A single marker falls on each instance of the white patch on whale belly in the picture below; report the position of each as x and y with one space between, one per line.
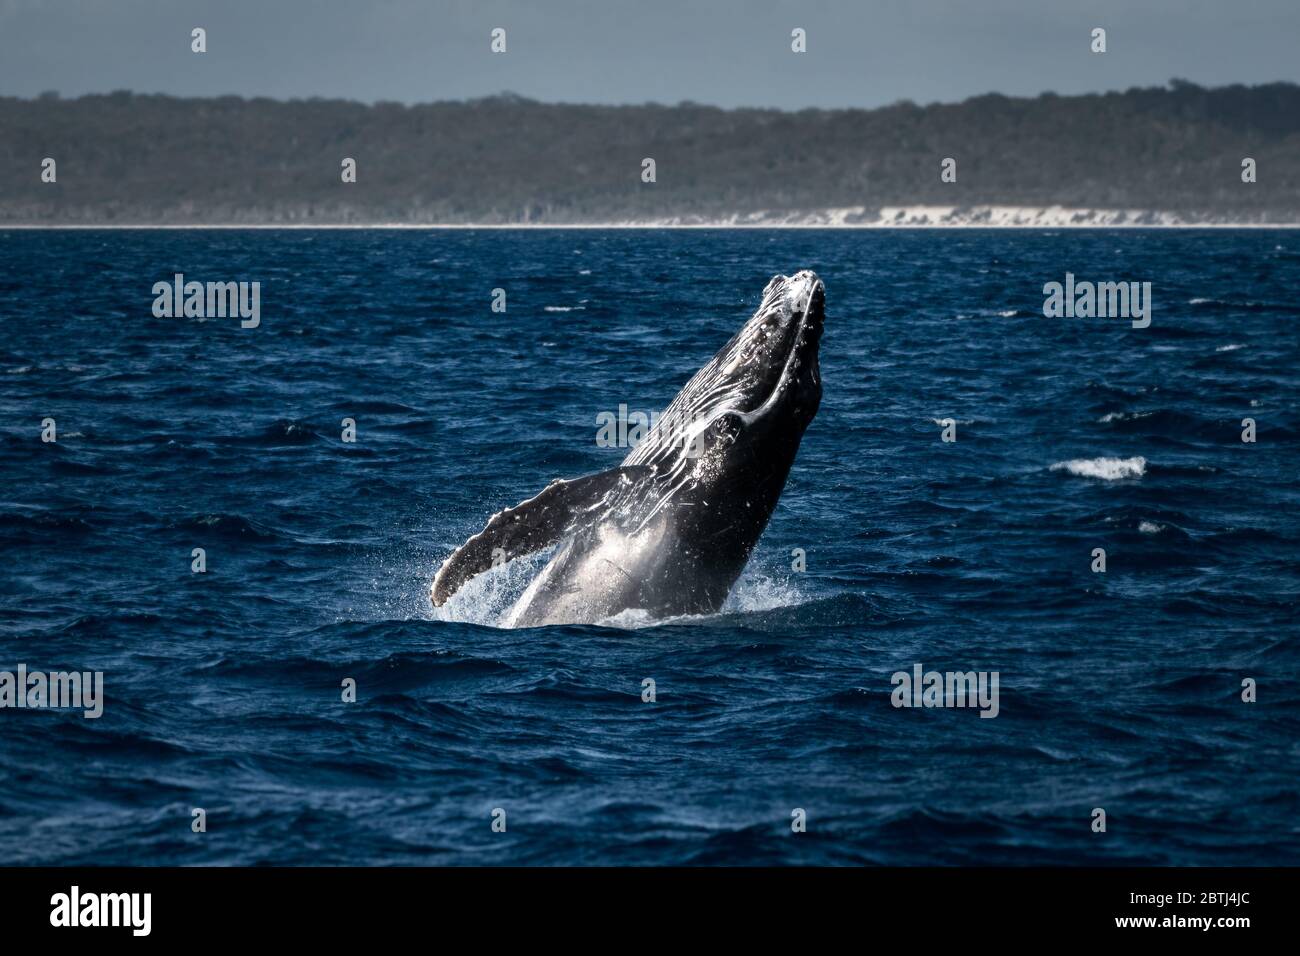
600 581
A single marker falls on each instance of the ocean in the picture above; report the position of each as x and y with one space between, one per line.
1120 690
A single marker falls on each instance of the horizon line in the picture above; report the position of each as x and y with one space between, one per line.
1170 85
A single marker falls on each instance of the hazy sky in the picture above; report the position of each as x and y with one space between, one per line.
725 52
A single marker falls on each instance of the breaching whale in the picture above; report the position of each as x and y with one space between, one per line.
669 531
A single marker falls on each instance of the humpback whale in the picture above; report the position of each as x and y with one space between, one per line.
669 531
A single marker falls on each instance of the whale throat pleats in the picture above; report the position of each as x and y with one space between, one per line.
530 526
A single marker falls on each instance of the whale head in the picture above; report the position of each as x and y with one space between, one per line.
764 383
771 364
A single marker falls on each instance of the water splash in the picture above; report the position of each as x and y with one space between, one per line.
758 591
488 598
754 593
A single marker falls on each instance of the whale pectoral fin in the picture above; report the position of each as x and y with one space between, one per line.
529 526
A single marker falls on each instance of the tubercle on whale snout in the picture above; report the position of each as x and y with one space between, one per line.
792 312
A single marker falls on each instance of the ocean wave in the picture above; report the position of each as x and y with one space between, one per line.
293 431
223 525
374 407
64 466
37 525
1107 469
1123 417
1170 423
1242 305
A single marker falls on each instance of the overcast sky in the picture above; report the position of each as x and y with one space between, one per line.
724 52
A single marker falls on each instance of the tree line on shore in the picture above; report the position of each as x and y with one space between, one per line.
126 158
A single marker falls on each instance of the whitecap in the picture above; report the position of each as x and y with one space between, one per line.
1123 417
1107 469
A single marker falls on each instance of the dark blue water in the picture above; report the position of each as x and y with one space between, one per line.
1118 690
